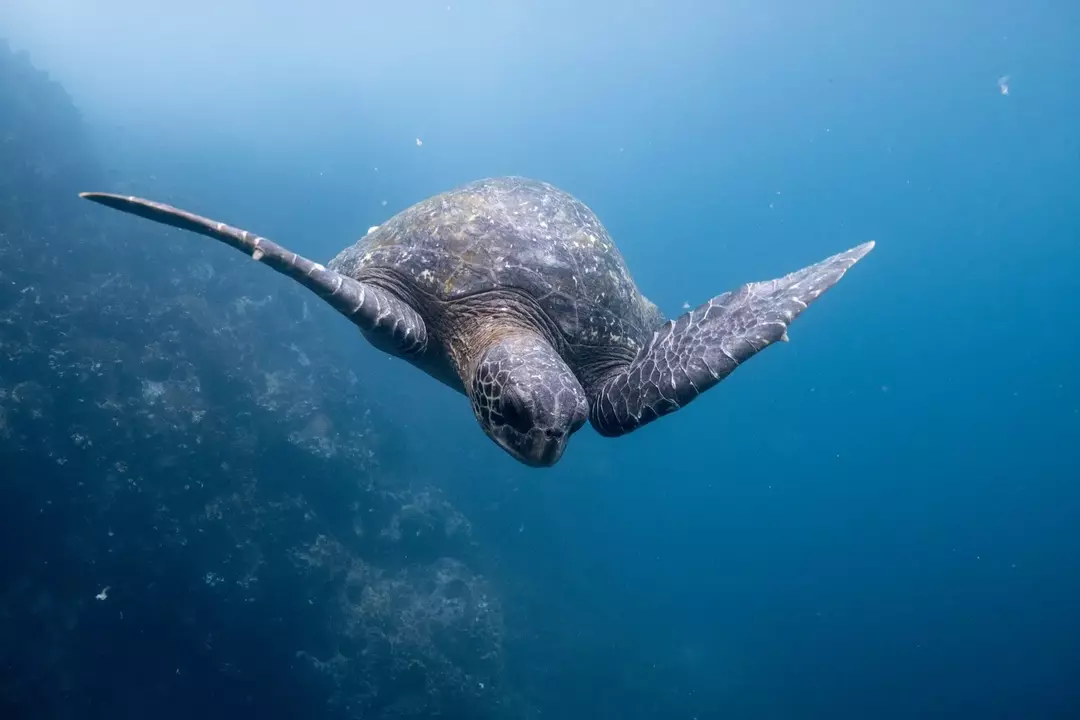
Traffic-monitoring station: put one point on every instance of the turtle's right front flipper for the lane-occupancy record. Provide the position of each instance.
(388, 323)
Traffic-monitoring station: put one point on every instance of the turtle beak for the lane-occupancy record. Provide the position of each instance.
(538, 449)
(547, 448)
(544, 448)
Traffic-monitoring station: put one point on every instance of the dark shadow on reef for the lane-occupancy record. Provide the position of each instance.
(197, 516)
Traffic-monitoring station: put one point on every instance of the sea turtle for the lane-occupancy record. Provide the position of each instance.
(510, 291)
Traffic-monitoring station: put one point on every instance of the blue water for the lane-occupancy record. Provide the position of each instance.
(876, 520)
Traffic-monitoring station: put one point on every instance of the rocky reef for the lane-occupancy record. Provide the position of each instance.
(200, 515)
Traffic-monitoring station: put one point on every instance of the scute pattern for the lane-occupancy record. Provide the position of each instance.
(513, 233)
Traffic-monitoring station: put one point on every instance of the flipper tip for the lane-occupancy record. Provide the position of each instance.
(852, 256)
(101, 196)
(125, 203)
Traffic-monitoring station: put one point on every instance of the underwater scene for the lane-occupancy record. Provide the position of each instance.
(500, 360)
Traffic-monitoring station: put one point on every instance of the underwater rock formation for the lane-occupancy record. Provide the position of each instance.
(196, 512)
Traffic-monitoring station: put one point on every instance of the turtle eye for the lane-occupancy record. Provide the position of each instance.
(513, 412)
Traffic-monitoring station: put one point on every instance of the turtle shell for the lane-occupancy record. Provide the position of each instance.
(513, 233)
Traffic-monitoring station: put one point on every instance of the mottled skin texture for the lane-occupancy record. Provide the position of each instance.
(689, 355)
(512, 292)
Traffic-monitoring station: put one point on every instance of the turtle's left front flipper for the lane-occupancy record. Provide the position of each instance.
(388, 323)
(694, 352)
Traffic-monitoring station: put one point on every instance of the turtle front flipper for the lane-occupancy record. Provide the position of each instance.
(692, 353)
(387, 322)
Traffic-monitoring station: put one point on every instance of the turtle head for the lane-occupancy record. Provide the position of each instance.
(527, 399)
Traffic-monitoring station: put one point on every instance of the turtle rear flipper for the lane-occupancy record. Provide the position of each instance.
(694, 352)
(387, 322)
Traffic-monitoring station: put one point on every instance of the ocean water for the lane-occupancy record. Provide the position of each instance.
(218, 500)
